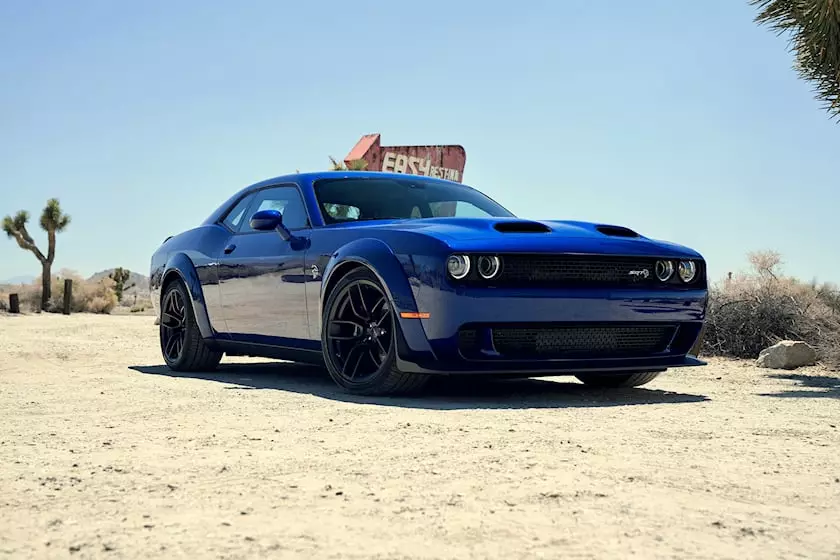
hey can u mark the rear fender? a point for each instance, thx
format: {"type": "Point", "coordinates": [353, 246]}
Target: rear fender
{"type": "Point", "coordinates": [179, 265]}
{"type": "Point", "coordinates": [393, 276]}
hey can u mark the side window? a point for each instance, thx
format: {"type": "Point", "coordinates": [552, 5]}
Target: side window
{"type": "Point", "coordinates": [285, 199]}
{"type": "Point", "coordinates": [237, 213]}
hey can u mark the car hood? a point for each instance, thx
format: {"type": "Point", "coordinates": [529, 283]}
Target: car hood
{"type": "Point", "coordinates": [519, 235]}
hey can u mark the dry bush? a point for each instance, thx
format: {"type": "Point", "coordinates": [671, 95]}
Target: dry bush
{"type": "Point", "coordinates": [752, 311]}
{"type": "Point", "coordinates": [89, 297]}
{"type": "Point", "coordinates": [141, 305]}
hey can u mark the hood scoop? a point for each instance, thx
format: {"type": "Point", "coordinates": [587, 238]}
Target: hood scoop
{"type": "Point", "coordinates": [617, 231]}
{"type": "Point", "coordinates": [521, 227]}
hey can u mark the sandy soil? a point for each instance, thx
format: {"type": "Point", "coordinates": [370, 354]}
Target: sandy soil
{"type": "Point", "coordinates": [107, 454]}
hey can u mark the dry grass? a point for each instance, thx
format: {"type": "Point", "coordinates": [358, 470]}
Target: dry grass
{"type": "Point", "coordinates": [142, 305]}
{"type": "Point", "coordinates": [751, 311]}
{"type": "Point", "coordinates": [88, 296]}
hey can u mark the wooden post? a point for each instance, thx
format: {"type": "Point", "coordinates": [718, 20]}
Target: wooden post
{"type": "Point", "coordinates": [14, 303]}
{"type": "Point", "coordinates": [68, 295]}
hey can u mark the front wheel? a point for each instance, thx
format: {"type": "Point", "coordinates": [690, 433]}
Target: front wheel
{"type": "Point", "coordinates": [180, 340]}
{"type": "Point", "coordinates": [359, 338]}
{"type": "Point", "coordinates": [608, 380]}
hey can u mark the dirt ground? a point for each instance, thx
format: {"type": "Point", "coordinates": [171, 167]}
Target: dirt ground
{"type": "Point", "coordinates": [105, 453]}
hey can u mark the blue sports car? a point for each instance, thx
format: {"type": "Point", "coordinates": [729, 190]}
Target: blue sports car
{"type": "Point", "coordinates": [388, 279]}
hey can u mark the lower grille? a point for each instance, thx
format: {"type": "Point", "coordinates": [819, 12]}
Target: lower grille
{"type": "Point", "coordinates": [573, 341]}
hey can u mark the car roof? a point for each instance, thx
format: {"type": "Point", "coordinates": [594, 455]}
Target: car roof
{"type": "Point", "coordinates": [305, 180]}
{"type": "Point", "coordinates": [309, 177]}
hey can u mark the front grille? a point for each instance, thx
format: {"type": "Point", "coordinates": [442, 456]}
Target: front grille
{"type": "Point", "coordinates": [571, 341]}
{"type": "Point", "coordinates": [576, 270]}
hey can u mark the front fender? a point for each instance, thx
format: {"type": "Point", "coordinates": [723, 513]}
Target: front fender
{"type": "Point", "coordinates": [180, 264]}
{"type": "Point", "coordinates": [393, 275]}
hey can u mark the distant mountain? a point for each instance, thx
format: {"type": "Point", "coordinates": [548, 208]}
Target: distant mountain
{"type": "Point", "coordinates": [19, 280]}
{"type": "Point", "coordinates": [141, 282]}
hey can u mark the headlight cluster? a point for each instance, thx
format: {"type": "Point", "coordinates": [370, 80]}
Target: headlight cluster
{"type": "Point", "coordinates": [686, 270]}
{"type": "Point", "coordinates": [487, 266]}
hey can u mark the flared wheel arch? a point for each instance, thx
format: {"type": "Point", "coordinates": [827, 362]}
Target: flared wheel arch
{"type": "Point", "coordinates": [180, 267]}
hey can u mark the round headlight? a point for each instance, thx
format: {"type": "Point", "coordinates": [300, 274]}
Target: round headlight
{"type": "Point", "coordinates": [687, 271]}
{"type": "Point", "coordinates": [664, 270]}
{"type": "Point", "coordinates": [458, 266]}
{"type": "Point", "coordinates": [488, 267]}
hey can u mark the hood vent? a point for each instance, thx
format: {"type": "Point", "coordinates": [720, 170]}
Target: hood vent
{"type": "Point", "coordinates": [521, 227]}
{"type": "Point", "coordinates": [617, 231]}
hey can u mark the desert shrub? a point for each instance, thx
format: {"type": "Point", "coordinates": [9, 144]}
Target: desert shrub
{"type": "Point", "coordinates": [4, 298]}
{"type": "Point", "coordinates": [751, 311]}
{"type": "Point", "coordinates": [100, 304]}
{"type": "Point", "coordinates": [88, 296]}
{"type": "Point", "coordinates": [141, 305]}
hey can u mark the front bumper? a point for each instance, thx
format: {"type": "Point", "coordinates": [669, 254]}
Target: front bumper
{"type": "Point", "coordinates": [451, 311]}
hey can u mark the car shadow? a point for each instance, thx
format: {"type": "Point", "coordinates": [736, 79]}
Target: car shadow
{"type": "Point", "coordinates": [443, 393]}
{"type": "Point", "coordinates": [813, 386]}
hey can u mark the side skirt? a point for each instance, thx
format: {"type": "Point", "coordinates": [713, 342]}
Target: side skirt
{"type": "Point", "coordinates": [257, 350]}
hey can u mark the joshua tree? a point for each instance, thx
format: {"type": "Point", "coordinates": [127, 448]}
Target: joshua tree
{"type": "Point", "coordinates": [53, 221]}
{"type": "Point", "coordinates": [355, 165]}
{"type": "Point", "coordinates": [120, 276]}
{"type": "Point", "coordinates": [814, 31]}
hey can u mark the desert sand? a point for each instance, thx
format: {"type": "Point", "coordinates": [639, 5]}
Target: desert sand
{"type": "Point", "coordinates": [108, 454]}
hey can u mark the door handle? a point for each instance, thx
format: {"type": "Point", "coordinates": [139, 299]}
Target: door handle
{"type": "Point", "coordinates": [229, 249]}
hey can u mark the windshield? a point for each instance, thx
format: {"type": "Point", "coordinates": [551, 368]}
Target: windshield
{"type": "Point", "coordinates": [349, 199]}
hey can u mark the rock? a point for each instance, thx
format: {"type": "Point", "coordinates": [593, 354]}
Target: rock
{"type": "Point", "coordinates": [787, 354]}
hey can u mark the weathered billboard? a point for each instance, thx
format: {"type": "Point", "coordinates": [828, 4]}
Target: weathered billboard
{"type": "Point", "coordinates": [445, 162]}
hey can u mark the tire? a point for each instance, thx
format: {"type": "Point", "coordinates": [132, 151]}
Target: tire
{"type": "Point", "coordinates": [181, 344]}
{"type": "Point", "coordinates": [359, 338]}
{"type": "Point", "coordinates": [607, 380]}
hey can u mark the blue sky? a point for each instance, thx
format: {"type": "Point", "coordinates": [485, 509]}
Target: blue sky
{"type": "Point", "coordinates": [683, 120]}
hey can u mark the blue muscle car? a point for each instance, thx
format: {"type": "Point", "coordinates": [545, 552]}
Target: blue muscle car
{"type": "Point", "coordinates": [387, 279]}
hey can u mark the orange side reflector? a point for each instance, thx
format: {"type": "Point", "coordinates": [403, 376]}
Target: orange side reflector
{"type": "Point", "coordinates": [413, 315]}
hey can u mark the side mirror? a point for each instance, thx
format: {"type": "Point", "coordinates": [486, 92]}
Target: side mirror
{"type": "Point", "coordinates": [268, 220]}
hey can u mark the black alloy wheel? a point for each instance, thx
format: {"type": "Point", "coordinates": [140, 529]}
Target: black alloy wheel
{"type": "Point", "coordinates": [359, 338]}
{"type": "Point", "coordinates": [181, 343]}
{"type": "Point", "coordinates": [360, 331]}
{"type": "Point", "coordinates": [173, 323]}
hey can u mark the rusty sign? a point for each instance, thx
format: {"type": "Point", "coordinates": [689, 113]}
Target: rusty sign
{"type": "Point", "coordinates": [445, 162]}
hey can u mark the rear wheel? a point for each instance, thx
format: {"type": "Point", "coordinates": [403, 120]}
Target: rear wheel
{"type": "Point", "coordinates": [359, 338]}
{"type": "Point", "coordinates": [180, 340]}
{"type": "Point", "coordinates": [608, 380]}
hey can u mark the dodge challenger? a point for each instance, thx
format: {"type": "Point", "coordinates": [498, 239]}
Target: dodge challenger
{"type": "Point", "coordinates": [387, 279]}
